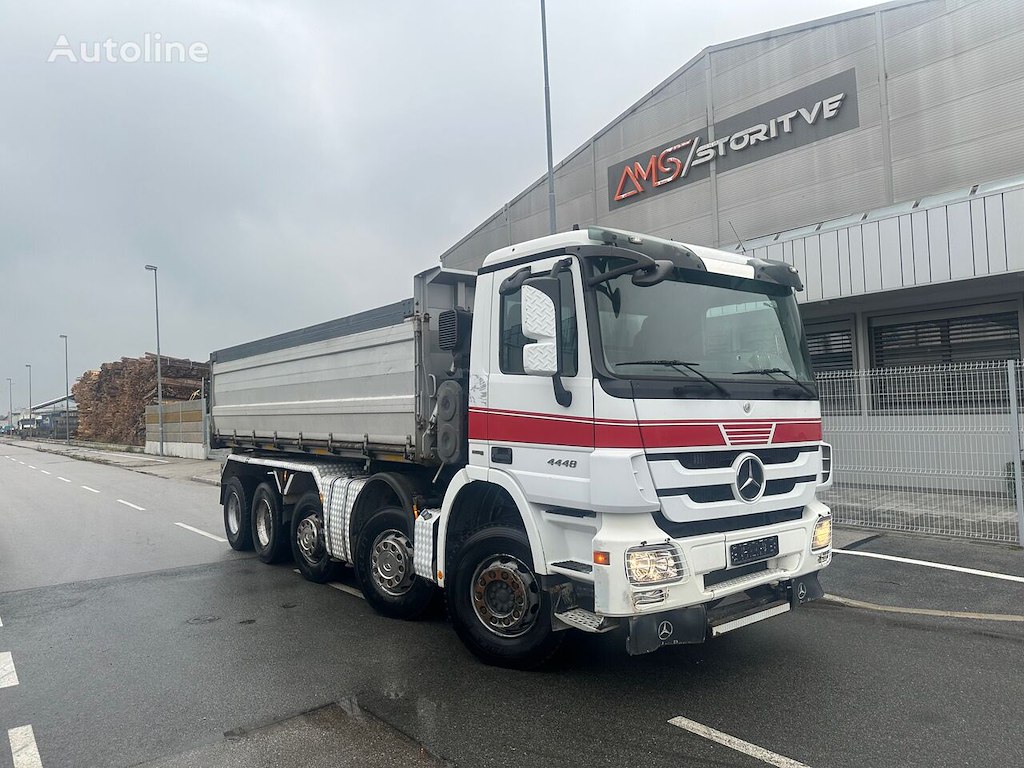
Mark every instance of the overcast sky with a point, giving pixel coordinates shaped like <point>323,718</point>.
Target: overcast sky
<point>322,154</point>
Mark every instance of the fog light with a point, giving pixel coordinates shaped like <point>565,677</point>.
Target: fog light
<point>822,534</point>
<point>654,565</point>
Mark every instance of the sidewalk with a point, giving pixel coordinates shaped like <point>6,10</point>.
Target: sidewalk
<point>128,457</point>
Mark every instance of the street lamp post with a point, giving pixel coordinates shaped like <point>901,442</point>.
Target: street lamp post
<point>547,118</point>
<point>67,393</point>
<point>10,401</point>
<point>31,423</point>
<point>159,380</point>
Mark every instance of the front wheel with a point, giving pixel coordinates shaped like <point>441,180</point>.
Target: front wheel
<point>384,566</point>
<point>496,602</point>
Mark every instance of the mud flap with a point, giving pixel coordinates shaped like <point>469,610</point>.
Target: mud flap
<point>678,627</point>
<point>805,589</point>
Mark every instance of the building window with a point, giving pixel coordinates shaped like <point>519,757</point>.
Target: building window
<point>510,353</point>
<point>831,346</point>
<point>934,339</point>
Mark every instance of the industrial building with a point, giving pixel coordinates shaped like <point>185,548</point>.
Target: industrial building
<point>880,151</point>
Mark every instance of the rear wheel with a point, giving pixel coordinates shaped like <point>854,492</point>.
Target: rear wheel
<point>496,602</point>
<point>236,515</point>
<point>309,543</point>
<point>384,566</point>
<point>268,535</point>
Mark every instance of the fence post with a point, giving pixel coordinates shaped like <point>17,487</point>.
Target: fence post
<point>1018,483</point>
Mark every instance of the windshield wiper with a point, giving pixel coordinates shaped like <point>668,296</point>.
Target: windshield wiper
<point>683,367</point>
<point>784,372</point>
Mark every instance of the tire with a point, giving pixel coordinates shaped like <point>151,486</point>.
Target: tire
<point>309,545</point>
<point>237,525</point>
<point>508,625</point>
<point>384,566</point>
<point>268,536</point>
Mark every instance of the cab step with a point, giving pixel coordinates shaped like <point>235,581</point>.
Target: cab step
<point>579,618</point>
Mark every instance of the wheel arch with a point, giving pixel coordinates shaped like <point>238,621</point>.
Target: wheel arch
<point>471,502</point>
<point>383,489</point>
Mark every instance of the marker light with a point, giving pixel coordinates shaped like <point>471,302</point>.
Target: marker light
<point>602,558</point>
<point>654,565</point>
<point>822,534</point>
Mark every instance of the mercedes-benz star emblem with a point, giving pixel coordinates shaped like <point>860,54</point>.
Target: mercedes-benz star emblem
<point>749,478</point>
<point>801,592</point>
<point>746,407</point>
<point>665,630</point>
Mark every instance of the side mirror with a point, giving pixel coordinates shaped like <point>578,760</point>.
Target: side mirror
<point>540,312</point>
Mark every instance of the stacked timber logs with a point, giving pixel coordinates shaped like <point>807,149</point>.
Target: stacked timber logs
<point>112,401</point>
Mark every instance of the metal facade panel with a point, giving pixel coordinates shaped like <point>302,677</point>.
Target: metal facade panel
<point>697,231</point>
<point>828,251</point>
<point>995,231</point>
<point>470,253</point>
<point>961,241</point>
<point>979,237</point>
<point>1013,216</point>
<point>938,244</point>
<point>889,248</point>
<point>674,209</point>
<point>907,250</point>
<point>812,273</point>
<point>575,178</point>
<point>908,16</point>
<point>919,243</point>
<point>795,61</point>
<point>872,256</point>
<point>855,238</point>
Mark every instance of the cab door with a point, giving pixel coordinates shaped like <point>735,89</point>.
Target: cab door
<point>545,446</point>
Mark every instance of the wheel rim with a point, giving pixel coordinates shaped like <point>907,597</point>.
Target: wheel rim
<point>234,514</point>
<point>264,523</point>
<point>505,596</point>
<point>309,534</point>
<point>391,563</point>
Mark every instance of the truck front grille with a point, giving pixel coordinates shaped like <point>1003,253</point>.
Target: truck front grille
<point>724,524</point>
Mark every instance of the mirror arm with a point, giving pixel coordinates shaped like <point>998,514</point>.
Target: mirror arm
<point>560,266</point>
<point>562,396</point>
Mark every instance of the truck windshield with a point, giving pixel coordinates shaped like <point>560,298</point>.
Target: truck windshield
<point>701,326</point>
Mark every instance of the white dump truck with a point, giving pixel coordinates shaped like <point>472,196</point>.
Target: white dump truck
<point>596,431</point>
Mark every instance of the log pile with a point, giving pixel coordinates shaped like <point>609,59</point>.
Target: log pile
<point>112,401</point>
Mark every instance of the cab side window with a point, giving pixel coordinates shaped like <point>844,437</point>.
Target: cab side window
<point>510,352</point>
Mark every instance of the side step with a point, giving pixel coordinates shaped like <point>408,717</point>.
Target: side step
<point>578,618</point>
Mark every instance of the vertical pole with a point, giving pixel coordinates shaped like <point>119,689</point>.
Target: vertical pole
<point>31,423</point>
<point>67,394</point>
<point>1015,457</point>
<point>547,118</point>
<point>159,379</point>
<point>10,401</point>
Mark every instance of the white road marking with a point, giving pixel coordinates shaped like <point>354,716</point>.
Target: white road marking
<point>346,589</point>
<point>924,611</point>
<point>929,564</point>
<point>44,471</point>
<point>8,675</point>
<point>141,456</point>
<point>30,466</point>
<point>201,533</point>
<point>64,479</point>
<point>1,622</point>
<point>23,747</point>
<point>129,504</point>
<point>762,754</point>
<point>90,489</point>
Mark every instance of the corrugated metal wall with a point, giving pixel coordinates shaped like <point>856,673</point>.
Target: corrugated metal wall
<point>946,115</point>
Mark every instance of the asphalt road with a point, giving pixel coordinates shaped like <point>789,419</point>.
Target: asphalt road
<point>139,642</point>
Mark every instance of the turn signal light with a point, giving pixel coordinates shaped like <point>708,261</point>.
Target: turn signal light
<point>602,558</point>
<point>822,534</point>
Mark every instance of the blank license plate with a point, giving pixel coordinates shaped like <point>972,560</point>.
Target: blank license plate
<point>752,551</point>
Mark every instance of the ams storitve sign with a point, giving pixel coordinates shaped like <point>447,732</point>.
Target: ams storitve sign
<point>825,108</point>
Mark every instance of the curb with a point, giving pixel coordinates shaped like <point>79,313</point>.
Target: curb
<point>204,480</point>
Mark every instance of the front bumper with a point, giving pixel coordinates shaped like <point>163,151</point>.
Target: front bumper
<point>693,624</point>
<point>709,577</point>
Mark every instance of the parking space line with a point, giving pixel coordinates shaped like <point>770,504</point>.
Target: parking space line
<point>93,490</point>
<point>202,533</point>
<point>64,479</point>
<point>30,466</point>
<point>23,747</point>
<point>760,753</point>
<point>8,675</point>
<point>930,564</point>
<point>129,504</point>
<point>346,589</point>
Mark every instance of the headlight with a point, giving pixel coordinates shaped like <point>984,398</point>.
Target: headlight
<point>654,565</point>
<point>822,534</point>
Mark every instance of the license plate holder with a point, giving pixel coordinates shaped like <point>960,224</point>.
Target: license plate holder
<point>754,550</point>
